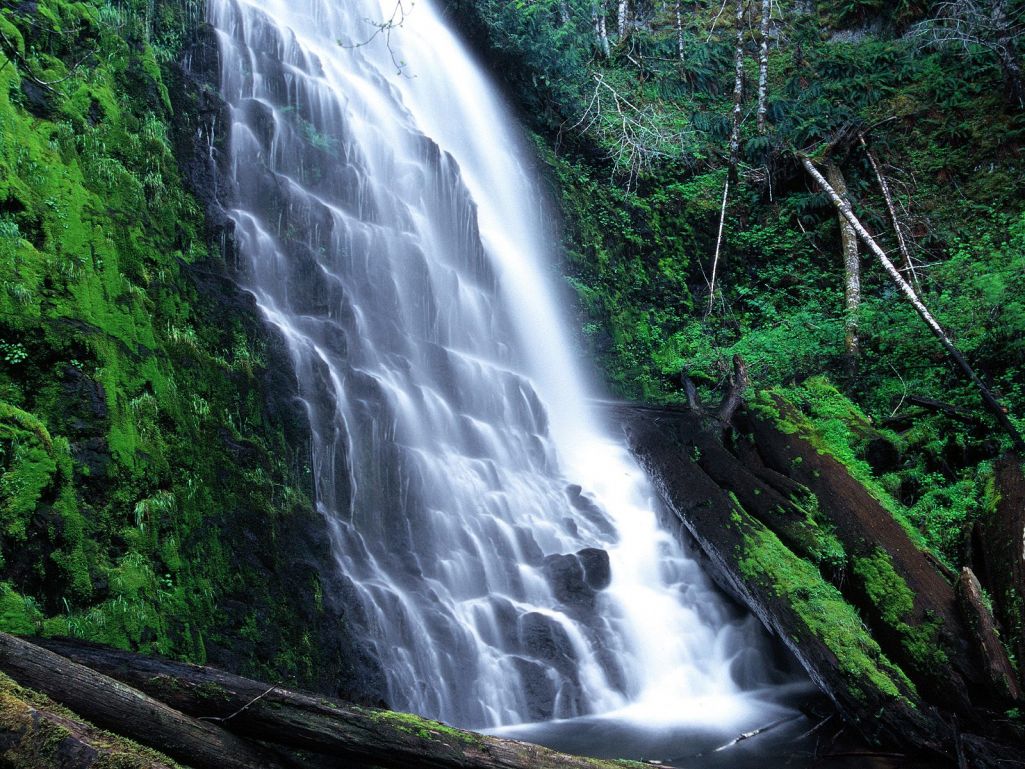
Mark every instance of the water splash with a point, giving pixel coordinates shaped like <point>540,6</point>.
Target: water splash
<point>504,548</point>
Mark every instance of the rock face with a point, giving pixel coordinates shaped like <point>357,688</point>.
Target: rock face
<point>577,578</point>
<point>869,615</point>
<point>290,564</point>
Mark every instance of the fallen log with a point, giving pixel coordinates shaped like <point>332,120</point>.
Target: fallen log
<point>111,705</point>
<point>857,669</point>
<point>786,593</point>
<point>984,632</point>
<point>1002,552</point>
<point>35,731</point>
<point>317,724</point>
<point>909,604</point>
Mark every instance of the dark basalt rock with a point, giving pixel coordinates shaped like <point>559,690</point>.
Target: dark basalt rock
<point>576,578</point>
<point>587,507</point>
<point>287,557</point>
<point>538,687</point>
<point>545,639</point>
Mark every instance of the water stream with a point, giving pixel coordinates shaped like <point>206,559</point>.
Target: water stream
<point>505,549</point>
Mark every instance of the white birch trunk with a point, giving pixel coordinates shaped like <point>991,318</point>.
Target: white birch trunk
<point>763,65</point>
<point>679,31</point>
<point>601,32</point>
<point>738,92</point>
<point>905,253</point>
<point>621,17</point>
<point>718,246</point>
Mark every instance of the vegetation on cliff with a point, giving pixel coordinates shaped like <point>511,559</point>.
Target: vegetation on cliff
<point>146,428</point>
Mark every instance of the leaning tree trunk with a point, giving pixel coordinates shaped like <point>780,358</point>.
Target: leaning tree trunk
<point>763,66</point>
<point>909,266</point>
<point>988,398</point>
<point>851,269</point>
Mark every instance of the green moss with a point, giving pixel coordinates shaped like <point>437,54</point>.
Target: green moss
<point>18,614</point>
<point>824,612</point>
<point>895,602</point>
<point>423,727</point>
<point>127,394</point>
<point>37,742</point>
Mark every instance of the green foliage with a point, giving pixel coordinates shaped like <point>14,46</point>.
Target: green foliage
<point>639,254</point>
<point>135,441</point>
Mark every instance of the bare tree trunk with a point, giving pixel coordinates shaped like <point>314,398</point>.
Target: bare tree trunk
<point>679,31</point>
<point>738,92</point>
<point>1008,51</point>
<point>905,254</point>
<point>734,394</point>
<point>622,17</point>
<point>563,12</point>
<point>763,65</point>
<point>718,245</point>
<point>601,32</point>
<point>988,398</point>
<point>851,269</point>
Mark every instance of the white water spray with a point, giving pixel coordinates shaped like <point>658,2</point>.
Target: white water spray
<point>505,550</point>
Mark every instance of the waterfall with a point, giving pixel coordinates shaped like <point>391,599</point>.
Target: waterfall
<point>504,548</point>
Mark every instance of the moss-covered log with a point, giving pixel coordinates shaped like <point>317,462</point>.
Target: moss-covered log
<point>729,500</point>
<point>787,593</point>
<point>909,603</point>
<point>245,711</point>
<point>119,708</point>
<point>37,733</point>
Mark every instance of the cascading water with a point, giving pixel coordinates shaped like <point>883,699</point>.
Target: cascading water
<point>505,550</point>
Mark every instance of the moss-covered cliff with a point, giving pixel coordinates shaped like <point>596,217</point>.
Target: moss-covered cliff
<point>155,489</point>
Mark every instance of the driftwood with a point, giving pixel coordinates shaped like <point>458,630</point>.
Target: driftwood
<point>984,632</point>
<point>243,708</point>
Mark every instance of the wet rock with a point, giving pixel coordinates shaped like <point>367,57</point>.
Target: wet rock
<point>597,568</point>
<point>590,511</point>
<point>576,578</point>
<point>538,687</point>
<point>546,640</point>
